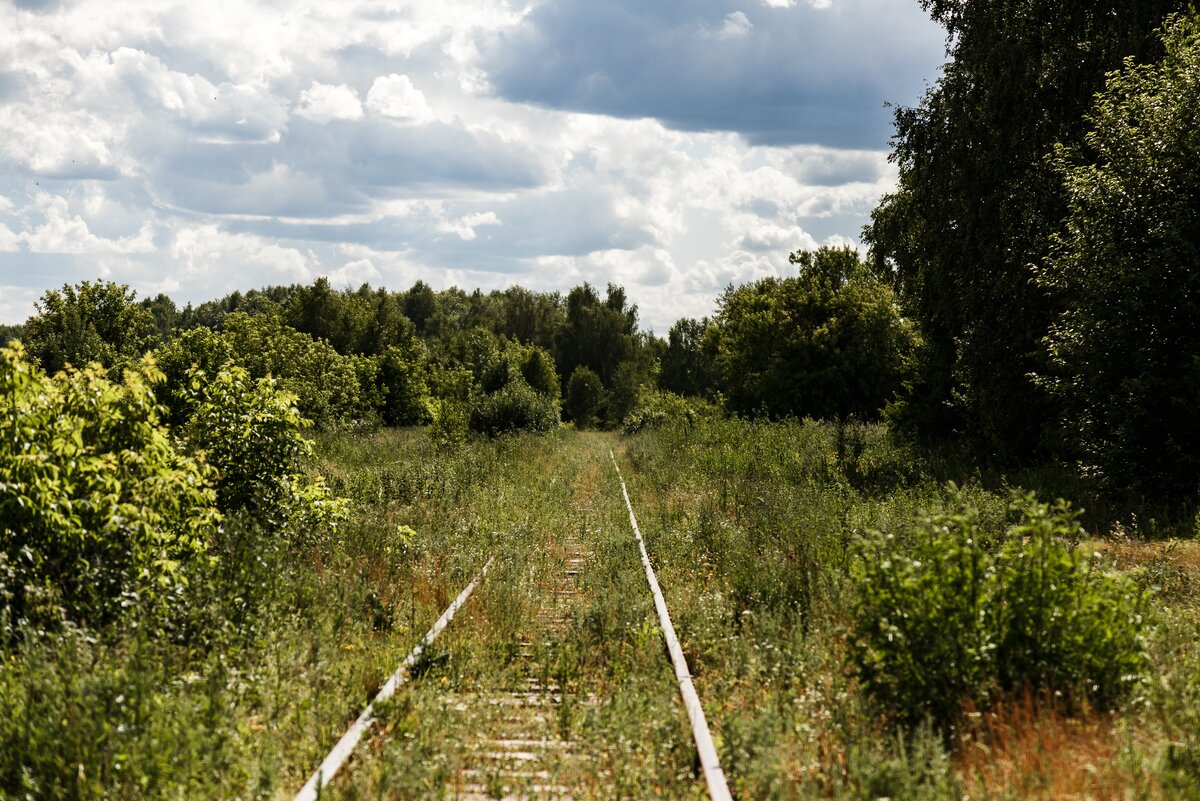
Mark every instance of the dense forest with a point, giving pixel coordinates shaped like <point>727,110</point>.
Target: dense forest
<point>195,504</point>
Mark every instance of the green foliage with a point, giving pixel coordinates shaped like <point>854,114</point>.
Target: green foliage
<point>659,408</point>
<point>585,397</point>
<point>250,431</point>
<point>598,335</point>
<point>1125,368</point>
<point>327,385</point>
<point>89,322</point>
<point>11,332</point>
<point>948,614</point>
<point>537,368</point>
<point>402,381</point>
<point>828,343</point>
<point>686,367</point>
<point>99,508</point>
<point>978,202</point>
<point>165,312</point>
<point>198,348</point>
<point>451,389</point>
<point>514,407</point>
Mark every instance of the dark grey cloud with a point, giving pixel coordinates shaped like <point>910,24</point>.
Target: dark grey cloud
<point>775,75</point>
<point>341,167</point>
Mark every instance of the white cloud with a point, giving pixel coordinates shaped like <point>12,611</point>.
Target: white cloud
<point>201,148</point>
<point>322,102</point>
<point>395,96</point>
<point>64,232</point>
<point>207,254</point>
<point>9,241</point>
<point>464,227</point>
<point>734,26</point>
<point>354,274</point>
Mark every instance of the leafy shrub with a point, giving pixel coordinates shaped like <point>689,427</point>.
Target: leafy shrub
<point>827,343</point>
<point>250,432</point>
<point>449,407</point>
<point>539,372</point>
<point>944,616</point>
<point>402,382</point>
<point>99,508</point>
<point>327,385</point>
<point>198,348</point>
<point>585,395</point>
<point>515,407</point>
<point>656,409</point>
<point>1123,351</point>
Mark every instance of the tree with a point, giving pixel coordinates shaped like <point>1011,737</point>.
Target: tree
<point>597,334</point>
<point>166,314</point>
<point>1124,350</point>
<point>686,367</point>
<point>828,343</point>
<point>402,380</point>
<point>530,317</point>
<point>10,332</point>
<point>585,396</point>
<point>88,322</point>
<point>421,306</point>
<point>538,371</point>
<point>977,203</point>
<point>330,388</point>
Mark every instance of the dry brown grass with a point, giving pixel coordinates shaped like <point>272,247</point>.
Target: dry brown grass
<point>1028,749</point>
<point>1129,553</point>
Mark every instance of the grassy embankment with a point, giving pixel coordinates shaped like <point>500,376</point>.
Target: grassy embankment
<point>752,528</point>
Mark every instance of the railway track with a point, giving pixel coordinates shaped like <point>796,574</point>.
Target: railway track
<point>521,724</point>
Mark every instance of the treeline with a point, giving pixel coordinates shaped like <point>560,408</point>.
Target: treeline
<point>1045,237</point>
<point>136,432</point>
<point>828,342</point>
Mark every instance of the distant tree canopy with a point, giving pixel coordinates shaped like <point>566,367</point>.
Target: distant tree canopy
<point>89,322</point>
<point>827,343</point>
<point>686,367</point>
<point>1126,347</point>
<point>978,203</point>
<point>598,335</point>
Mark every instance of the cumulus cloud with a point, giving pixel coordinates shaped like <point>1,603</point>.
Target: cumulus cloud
<point>395,96</point>
<point>322,102</point>
<point>734,26</point>
<point>671,146</point>
<point>354,274</point>
<point>464,227</point>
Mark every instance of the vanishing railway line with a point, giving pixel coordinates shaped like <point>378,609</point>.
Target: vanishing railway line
<point>537,727</point>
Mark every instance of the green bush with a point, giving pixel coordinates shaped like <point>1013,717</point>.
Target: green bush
<point>948,615</point>
<point>197,348</point>
<point>515,407</point>
<point>449,406</point>
<point>657,408</point>
<point>402,381</point>
<point>250,431</point>
<point>327,385</point>
<point>100,510</point>
<point>828,343</point>
<point>1123,364</point>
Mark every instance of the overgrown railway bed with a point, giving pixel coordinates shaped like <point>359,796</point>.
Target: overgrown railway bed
<point>519,698</point>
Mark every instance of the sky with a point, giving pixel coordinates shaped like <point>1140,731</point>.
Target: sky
<point>671,146</point>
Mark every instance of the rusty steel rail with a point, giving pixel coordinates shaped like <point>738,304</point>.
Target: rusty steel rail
<point>718,788</point>
<point>328,768</point>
